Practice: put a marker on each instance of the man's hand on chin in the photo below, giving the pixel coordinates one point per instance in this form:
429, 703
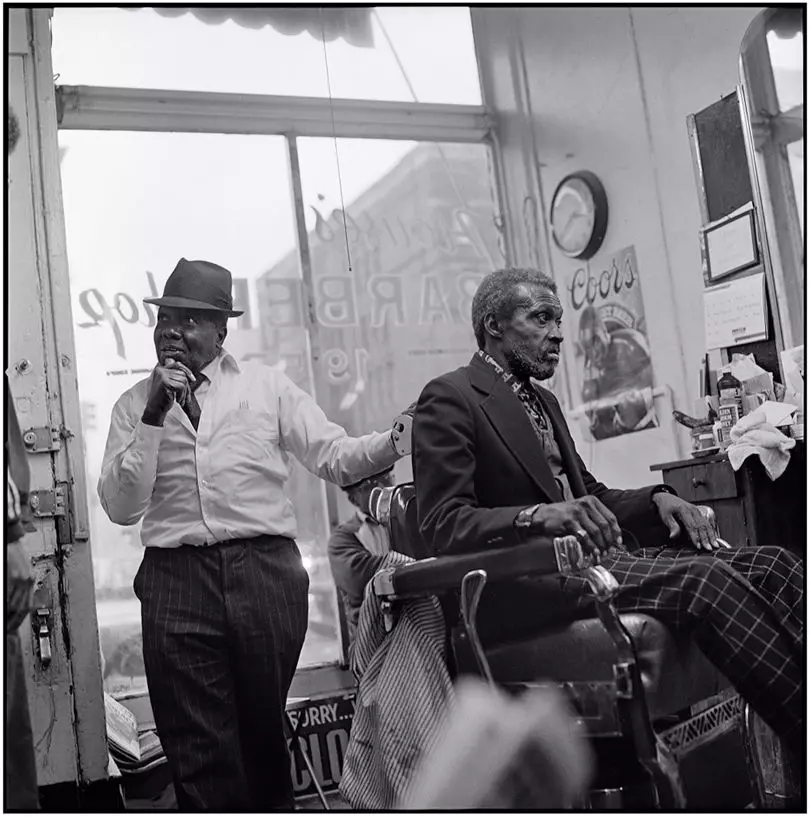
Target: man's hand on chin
678, 514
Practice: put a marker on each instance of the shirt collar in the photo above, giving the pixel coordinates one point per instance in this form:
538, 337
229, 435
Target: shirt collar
223, 358
522, 390
507, 377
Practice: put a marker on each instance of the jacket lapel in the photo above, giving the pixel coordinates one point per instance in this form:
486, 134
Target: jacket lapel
507, 415
564, 442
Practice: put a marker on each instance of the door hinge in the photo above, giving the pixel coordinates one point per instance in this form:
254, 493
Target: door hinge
49, 502
41, 439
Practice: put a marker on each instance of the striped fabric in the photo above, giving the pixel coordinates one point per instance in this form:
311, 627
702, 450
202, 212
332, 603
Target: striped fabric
223, 628
403, 696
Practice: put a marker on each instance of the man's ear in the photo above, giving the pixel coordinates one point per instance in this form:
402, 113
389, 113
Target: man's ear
493, 326
222, 334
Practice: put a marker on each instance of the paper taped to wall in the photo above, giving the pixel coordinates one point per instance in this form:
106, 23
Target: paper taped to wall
735, 312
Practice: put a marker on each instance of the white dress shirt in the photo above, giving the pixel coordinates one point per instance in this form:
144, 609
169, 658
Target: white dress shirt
226, 480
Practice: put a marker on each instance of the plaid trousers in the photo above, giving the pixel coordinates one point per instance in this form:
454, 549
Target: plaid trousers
223, 627
745, 610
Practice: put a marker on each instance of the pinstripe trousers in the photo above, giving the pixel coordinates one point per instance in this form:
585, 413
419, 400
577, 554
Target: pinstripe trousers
223, 627
745, 610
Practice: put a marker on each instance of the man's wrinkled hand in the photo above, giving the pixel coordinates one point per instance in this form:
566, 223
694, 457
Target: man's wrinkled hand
681, 516
587, 518
169, 382
19, 585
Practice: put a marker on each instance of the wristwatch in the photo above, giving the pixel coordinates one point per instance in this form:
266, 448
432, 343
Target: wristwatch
662, 489
523, 521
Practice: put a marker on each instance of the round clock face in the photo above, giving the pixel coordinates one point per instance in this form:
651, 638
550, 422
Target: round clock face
579, 215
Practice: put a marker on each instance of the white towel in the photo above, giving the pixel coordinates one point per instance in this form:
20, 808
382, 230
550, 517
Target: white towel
752, 434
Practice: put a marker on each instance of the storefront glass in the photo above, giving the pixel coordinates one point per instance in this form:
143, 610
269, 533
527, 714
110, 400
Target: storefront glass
134, 204
420, 227
421, 233
423, 54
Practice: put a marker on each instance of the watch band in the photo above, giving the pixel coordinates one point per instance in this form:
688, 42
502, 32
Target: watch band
523, 521
663, 489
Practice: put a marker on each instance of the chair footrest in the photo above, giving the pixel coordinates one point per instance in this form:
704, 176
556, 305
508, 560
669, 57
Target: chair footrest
704, 726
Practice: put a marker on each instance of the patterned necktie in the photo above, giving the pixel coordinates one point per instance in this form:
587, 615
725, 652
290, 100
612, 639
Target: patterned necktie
190, 405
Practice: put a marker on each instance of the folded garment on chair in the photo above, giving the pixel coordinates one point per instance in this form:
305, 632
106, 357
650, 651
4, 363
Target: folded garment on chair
754, 435
402, 699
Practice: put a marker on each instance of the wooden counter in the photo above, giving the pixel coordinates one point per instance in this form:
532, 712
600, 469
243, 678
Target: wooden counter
750, 508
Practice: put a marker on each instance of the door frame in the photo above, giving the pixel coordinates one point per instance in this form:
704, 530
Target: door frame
65, 693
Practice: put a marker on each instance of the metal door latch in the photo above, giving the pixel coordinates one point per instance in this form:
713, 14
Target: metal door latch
42, 628
42, 438
49, 503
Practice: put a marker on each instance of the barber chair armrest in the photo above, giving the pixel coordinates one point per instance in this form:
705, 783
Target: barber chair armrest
540, 555
471, 572
443, 573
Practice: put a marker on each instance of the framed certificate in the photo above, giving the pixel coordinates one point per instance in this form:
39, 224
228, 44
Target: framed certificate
730, 245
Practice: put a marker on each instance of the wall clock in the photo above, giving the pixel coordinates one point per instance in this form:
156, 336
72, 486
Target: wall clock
579, 215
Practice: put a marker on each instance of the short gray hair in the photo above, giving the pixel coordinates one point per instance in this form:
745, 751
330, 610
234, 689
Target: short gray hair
497, 295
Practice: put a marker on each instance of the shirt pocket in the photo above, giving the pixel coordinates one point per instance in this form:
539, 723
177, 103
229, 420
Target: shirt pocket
249, 434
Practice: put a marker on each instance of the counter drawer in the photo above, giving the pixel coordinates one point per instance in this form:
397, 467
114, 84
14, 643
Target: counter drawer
703, 481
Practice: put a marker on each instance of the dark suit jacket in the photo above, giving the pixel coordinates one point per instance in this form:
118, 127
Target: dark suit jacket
353, 567
477, 462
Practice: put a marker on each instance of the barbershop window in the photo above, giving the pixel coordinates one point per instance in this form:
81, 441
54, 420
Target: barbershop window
421, 234
134, 204
401, 54
391, 281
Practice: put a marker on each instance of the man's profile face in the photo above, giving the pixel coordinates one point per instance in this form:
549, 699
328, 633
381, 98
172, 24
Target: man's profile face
532, 335
189, 336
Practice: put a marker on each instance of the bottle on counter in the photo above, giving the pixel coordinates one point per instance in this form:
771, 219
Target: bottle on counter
730, 409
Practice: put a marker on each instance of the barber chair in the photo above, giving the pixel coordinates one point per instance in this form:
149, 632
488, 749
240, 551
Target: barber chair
666, 727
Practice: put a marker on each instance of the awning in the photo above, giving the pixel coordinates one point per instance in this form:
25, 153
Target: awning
350, 24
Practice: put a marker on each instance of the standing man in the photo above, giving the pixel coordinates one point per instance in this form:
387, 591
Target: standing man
200, 451
494, 462
20, 771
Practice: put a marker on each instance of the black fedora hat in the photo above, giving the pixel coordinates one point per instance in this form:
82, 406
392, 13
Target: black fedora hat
198, 285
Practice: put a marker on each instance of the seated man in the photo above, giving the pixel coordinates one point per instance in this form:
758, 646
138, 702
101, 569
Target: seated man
494, 462
357, 548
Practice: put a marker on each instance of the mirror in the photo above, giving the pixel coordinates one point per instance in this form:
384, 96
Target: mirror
772, 79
